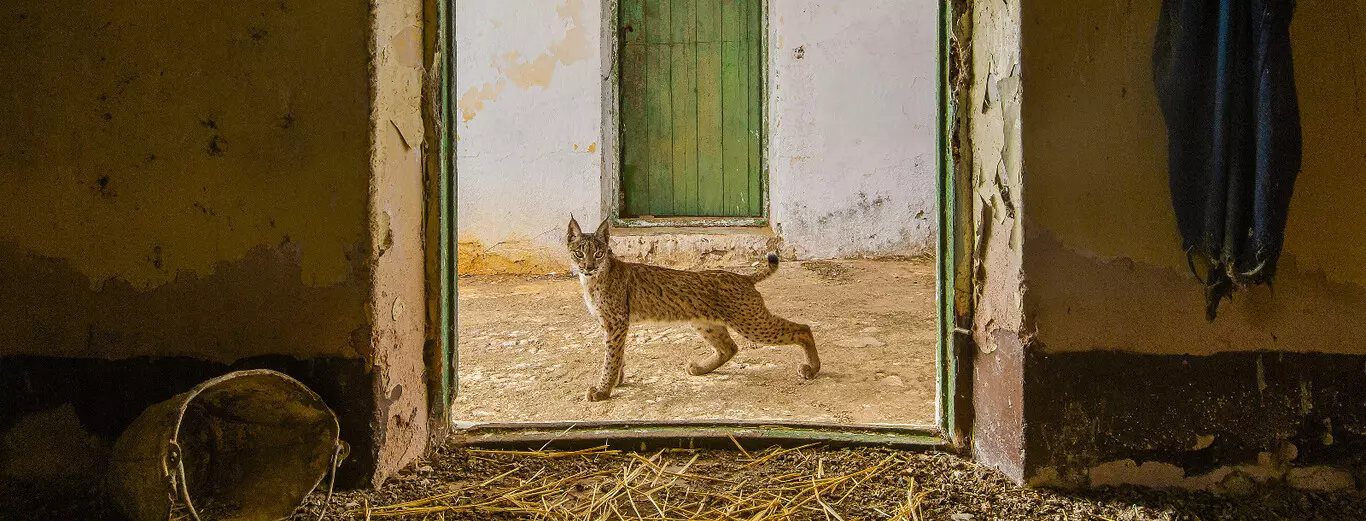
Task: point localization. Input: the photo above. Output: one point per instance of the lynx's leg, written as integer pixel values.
(613, 361)
(719, 337)
(772, 330)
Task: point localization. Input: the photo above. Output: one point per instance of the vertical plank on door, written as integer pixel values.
(659, 106)
(709, 160)
(684, 93)
(755, 45)
(735, 110)
(635, 171)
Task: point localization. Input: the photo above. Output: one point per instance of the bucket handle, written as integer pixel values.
(175, 479)
(174, 469)
(338, 455)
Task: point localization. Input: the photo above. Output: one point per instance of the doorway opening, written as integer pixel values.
(727, 129)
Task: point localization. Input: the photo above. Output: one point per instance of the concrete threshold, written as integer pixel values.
(697, 248)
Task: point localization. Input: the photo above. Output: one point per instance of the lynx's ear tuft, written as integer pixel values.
(603, 231)
(574, 232)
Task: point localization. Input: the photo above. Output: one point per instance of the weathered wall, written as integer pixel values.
(528, 117)
(851, 127)
(398, 301)
(993, 105)
(194, 187)
(160, 201)
(1110, 299)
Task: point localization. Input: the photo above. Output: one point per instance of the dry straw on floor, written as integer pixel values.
(807, 483)
(659, 487)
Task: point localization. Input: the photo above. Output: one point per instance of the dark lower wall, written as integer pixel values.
(1194, 421)
(107, 395)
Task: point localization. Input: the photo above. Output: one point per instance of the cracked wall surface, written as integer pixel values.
(528, 94)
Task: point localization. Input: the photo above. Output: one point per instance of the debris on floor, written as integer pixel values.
(806, 483)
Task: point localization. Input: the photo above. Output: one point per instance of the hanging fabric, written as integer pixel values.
(1225, 82)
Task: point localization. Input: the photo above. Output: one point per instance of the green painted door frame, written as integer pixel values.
(446, 194)
(953, 280)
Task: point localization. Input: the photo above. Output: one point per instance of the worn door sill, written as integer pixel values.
(645, 436)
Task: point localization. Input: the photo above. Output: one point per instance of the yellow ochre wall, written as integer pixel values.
(1103, 257)
(184, 178)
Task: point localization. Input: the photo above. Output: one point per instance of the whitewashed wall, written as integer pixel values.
(851, 125)
(528, 120)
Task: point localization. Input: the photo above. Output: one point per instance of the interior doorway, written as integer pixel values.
(883, 317)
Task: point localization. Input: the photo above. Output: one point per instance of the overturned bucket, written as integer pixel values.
(245, 446)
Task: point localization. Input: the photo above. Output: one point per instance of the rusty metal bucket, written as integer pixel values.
(245, 446)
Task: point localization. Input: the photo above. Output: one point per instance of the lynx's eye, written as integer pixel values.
(598, 254)
(578, 255)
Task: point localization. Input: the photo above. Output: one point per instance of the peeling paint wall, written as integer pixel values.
(397, 304)
(993, 104)
(852, 119)
(1107, 277)
(851, 127)
(529, 103)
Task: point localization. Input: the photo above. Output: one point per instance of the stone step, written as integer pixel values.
(698, 248)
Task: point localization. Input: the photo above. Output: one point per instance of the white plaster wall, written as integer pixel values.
(852, 126)
(528, 119)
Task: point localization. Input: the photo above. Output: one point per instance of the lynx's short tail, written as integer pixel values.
(765, 270)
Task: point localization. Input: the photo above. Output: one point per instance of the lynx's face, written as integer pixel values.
(590, 251)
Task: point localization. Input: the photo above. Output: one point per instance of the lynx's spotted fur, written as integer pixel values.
(620, 293)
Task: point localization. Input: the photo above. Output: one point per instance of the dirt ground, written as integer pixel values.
(782, 484)
(805, 484)
(529, 350)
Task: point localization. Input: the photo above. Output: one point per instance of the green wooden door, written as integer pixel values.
(691, 108)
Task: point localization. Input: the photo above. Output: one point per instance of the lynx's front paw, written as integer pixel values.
(807, 372)
(595, 395)
(696, 370)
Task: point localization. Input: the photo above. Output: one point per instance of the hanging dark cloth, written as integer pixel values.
(1226, 85)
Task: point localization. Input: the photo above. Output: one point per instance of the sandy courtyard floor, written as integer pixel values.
(529, 351)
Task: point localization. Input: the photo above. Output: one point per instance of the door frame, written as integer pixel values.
(954, 287)
(613, 195)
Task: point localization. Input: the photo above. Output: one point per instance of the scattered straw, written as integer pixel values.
(741, 447)
(634, 487)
